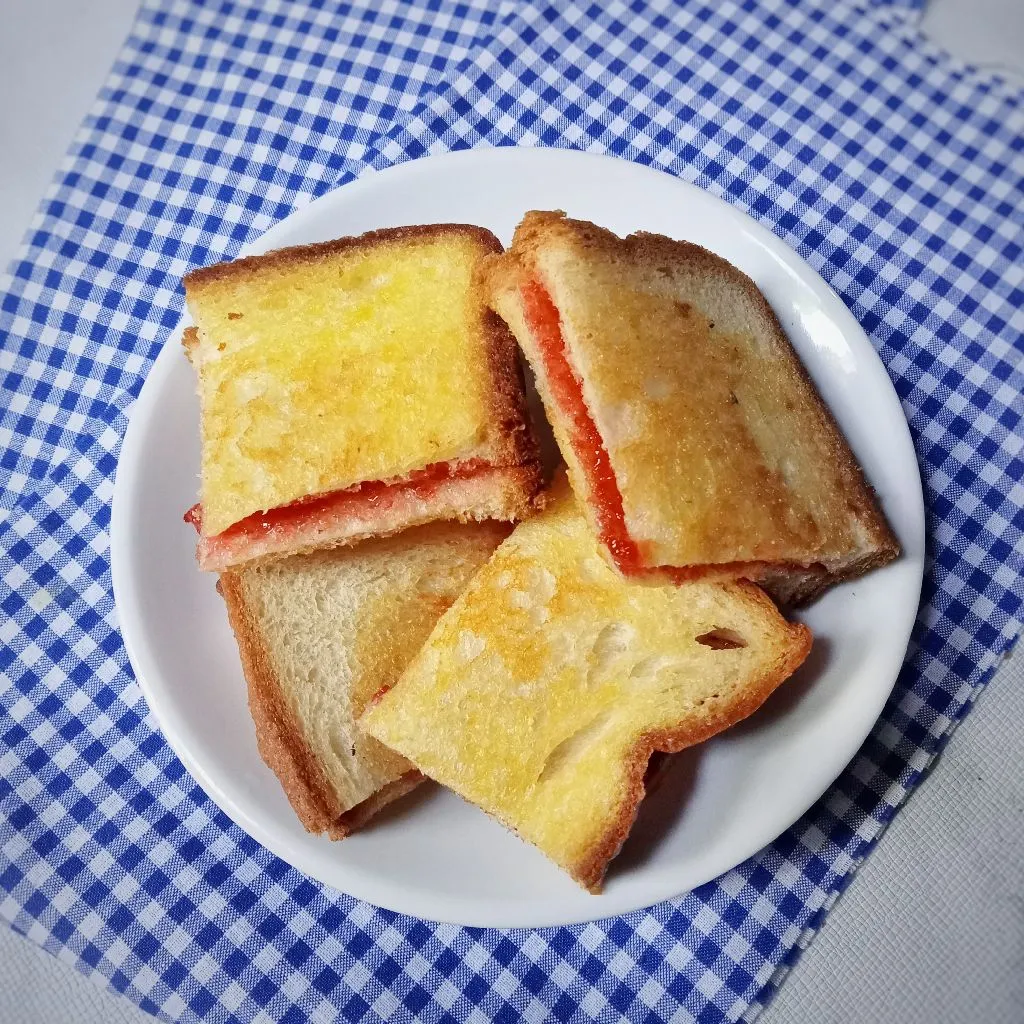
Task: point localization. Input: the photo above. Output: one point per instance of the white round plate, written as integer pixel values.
(432, 855)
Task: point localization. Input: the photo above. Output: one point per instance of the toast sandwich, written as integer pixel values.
(352, 389)
(693, 435)
(319, 634)
(542, 693)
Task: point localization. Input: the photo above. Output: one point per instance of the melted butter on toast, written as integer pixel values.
(319, 373)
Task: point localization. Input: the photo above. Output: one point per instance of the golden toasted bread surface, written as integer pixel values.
(366, 359)
(722, 450)
(542, 693)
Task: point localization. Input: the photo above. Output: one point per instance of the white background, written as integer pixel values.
(932, 929)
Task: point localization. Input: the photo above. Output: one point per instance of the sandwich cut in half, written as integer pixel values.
(542, 693)
(351, 389)
(320, 634)
(692, 433)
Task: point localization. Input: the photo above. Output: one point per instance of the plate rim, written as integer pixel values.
(381, 892)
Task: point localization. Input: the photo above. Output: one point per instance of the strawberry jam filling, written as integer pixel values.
(370, 494)
(567, 391)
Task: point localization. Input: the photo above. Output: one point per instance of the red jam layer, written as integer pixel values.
(293, 516)
(567, 391)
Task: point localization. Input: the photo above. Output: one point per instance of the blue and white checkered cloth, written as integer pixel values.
(893, 169)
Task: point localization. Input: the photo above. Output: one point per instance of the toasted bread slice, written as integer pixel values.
(319, 634)
(351, 389)
(542, 693)
(691, 430)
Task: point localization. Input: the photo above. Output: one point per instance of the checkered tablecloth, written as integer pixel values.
(893, 169)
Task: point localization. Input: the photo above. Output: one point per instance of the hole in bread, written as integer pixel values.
(573, 746)
(722, 639)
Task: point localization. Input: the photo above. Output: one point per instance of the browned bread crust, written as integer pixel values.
(515, 442)
(643, 767)
(300, 255)
(279, 737)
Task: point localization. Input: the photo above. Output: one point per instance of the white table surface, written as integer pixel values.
(931, 931)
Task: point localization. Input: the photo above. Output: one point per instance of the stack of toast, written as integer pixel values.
(414, 596)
